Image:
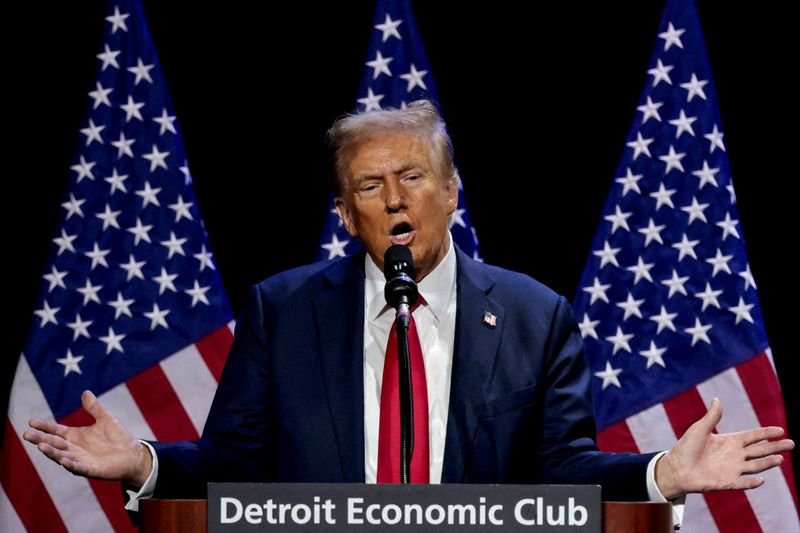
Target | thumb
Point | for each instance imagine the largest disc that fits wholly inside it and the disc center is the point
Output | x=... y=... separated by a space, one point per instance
x=92 y=405
x=712 y=416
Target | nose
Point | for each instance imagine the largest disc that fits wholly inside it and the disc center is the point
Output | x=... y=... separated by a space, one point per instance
x=394 y=195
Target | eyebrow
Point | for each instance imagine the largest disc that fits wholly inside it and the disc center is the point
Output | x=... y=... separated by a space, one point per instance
x=405 y=167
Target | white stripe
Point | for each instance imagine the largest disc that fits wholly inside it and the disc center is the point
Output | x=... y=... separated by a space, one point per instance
x=9 y=521
x=652 y=431
x=772 y=502
x=193 y=382
x=120 y=402
x=72 y=495
x=768 y=351
x=232 y=326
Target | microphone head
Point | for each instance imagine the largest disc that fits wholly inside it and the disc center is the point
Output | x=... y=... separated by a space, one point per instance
x=398 y=268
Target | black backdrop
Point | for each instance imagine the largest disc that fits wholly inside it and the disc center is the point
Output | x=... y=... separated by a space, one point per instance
x=539 y=101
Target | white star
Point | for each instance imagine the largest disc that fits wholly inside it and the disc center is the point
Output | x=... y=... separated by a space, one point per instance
x=748 y=278
x=157 y=317
x=389 y=28
x=630 y=182
x=109 y=218
x=117 y=21
x=380 y=65
x=166 y=122
x=149 y=195
x=47 y=314
x=597 y=291
x=156 y=158
x=123 y=146
x=683 y=123
x=715 y=138
x=141 y=71
x=642 y=270
x=141 y=231
x=706 y=175
x=650 y=110
x=336 y=247
x=97 y=256
x=699 y=332
x=414 y=78
x=133 y=268
x=181 y=209
x=720 y=262
x=618 y=219
x=70 y=362
x=165 y=281
x=132 y=110
x=731 y=192
x=112 y=341
x=174 y=244
x=686 y=247
x=92 y=133
x=109 y=57
x=620 y=341
x=80 y=328
x=673 y=160
x=455 y=218
x=652 y=232
x=653 y=355
x=729 y=227
x=73 y=206
x=100 y=95
x=695 y=88
x=121 y=305
x=676 y=283
x=56 y=278
x=198 y=293
x=205 y=259
x=709 y=297
x=631 y=307
x=609 y=376
x=664 y=319
x=116 y=181
x=187 y=176
x=371 y=102
x=607 y=255
x=660 y=73
x=587 y=327
x=640 y=146
x=671 y=36
x=742 y=311
x=89 y=292
x=84 y=169
x=663 y=196
x=695 y=211
x=65 y=242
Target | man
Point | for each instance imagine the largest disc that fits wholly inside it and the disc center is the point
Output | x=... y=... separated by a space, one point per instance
x=507 y=384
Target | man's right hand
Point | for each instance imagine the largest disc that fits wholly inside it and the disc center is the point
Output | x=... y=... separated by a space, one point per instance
x=104 y=450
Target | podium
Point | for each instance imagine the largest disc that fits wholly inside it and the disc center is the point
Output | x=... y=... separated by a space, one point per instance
x=184 y=516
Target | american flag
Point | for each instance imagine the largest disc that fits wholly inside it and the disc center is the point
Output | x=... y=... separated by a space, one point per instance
x=667 y=304
x=131 y=304
x=397 y=73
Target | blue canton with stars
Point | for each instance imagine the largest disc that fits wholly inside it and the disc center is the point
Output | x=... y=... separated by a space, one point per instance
x=667 y=299
x=397 y=73
x=130 y=278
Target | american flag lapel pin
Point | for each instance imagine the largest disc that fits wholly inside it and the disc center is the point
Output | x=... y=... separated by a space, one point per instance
x=489 y=319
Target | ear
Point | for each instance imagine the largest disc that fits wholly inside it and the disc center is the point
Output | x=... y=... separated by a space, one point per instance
x=451 y=190
x=345 y=215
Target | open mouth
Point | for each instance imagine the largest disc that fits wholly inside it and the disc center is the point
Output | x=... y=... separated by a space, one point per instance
x=402 y=233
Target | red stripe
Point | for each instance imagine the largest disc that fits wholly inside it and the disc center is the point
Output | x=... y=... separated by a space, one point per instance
x=617 y=438
x=24 y=488
x=109 y=493
x=214 y=349
x=160 y=406
x=730 y=509
x=764 y=391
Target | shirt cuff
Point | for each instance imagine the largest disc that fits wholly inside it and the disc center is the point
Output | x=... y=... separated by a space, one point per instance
x=149 y=486
x=654 y=494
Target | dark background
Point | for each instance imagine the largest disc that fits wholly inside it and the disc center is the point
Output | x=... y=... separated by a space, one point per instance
x=539 y=99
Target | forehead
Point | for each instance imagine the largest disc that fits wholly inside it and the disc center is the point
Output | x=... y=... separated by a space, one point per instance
x=388 y=152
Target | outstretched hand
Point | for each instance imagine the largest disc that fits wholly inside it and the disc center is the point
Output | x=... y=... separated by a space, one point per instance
x=703 y=461
x=104 y=450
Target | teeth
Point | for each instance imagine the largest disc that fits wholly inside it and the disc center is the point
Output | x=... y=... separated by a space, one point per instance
x=403 y=235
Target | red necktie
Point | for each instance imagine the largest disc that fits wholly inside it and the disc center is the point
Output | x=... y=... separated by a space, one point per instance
x=389 y=432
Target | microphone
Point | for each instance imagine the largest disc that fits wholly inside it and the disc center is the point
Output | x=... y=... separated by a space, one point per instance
x=398 y=267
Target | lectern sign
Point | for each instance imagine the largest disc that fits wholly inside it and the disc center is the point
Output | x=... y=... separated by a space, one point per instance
x=418 y=508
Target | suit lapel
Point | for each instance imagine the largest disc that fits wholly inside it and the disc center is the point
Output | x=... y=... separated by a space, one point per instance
x=339 y=313
x=474 y=353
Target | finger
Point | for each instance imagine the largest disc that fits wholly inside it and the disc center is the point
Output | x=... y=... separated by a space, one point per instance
x=51 y=440
x=47 y=426
x=748 y=483
x=755 y=466
x=764 y=448
x=92 y=405
x=712 y=416
x=52 y=453
x=760 y=434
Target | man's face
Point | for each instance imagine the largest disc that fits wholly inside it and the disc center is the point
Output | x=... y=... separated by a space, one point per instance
x=393 y=195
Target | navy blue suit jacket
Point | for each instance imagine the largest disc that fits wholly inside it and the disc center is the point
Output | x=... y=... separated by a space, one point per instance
x=290 y=404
